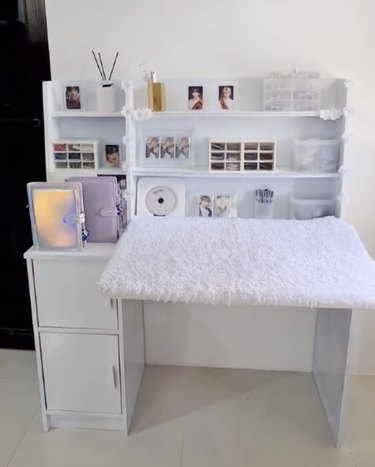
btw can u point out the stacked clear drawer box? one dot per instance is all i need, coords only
(296, 91)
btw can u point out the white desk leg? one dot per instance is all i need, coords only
(331, 364)
(132, 354)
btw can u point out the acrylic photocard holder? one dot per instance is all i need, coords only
(56, 214)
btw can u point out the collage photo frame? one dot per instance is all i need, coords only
(167, 148)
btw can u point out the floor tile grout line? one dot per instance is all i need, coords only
(352, 456)
(183, 441)
(350, 451)
(23, 436)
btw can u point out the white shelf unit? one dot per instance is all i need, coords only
(247, 122)
(84, 124)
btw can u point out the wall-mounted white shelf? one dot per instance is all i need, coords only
(84, 114)
(204, 173)
(110, 171)
(234, 113)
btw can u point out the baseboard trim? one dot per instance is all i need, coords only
(21, 339)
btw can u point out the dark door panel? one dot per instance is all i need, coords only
(25, 65)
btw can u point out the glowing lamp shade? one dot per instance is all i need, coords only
(56, 216)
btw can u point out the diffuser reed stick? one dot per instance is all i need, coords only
(100, 66)
(113, 67)
(97, 64)
(101, 63)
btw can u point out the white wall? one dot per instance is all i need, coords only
(217, 38)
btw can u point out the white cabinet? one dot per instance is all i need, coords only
(68, 296)
(89, 347)
(81, 372)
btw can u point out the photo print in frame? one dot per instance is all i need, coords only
(182, 147)
(223, 205)
(72, 97)
(195, 97)
(152, 147)
(226, 97)
(205, 206)
(167, 147)
(112, 158)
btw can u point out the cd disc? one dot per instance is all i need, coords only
(161, 201)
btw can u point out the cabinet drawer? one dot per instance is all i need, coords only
(67, 295)
(81, 372)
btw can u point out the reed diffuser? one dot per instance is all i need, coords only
(106, 93)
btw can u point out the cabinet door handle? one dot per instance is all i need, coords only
(112, 304)
(114, 377)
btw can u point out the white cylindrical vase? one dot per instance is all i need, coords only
(106, 98)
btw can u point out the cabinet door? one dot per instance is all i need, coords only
(81, 372)
(67, 295)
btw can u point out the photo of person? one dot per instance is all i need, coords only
(167, 148)
(222, 206)
(183, 148)
(152, 148)
(73, 98)
(226, 97)
(195, 101)
(205, 206)
(112, 156)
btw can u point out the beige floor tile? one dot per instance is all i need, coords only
(158, 446)
(19, 400)
(278, 422)
(200, 417)
(18, 364)
(360, 424)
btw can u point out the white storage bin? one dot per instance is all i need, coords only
(310, 208)
(316, 155)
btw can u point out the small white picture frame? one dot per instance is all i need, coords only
(72, 97)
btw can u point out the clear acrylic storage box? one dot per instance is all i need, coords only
(316, 155)
(311, 208)
(296, 91)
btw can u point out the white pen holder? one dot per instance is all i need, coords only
(263, 210)
(106, 98)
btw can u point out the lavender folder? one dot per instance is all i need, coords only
(103, 208)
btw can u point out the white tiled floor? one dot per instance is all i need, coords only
(192, 417)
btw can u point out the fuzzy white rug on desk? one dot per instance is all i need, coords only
(312, 263)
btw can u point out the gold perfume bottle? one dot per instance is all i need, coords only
(156, 94)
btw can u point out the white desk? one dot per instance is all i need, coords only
(90, 346)
(87, 344)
